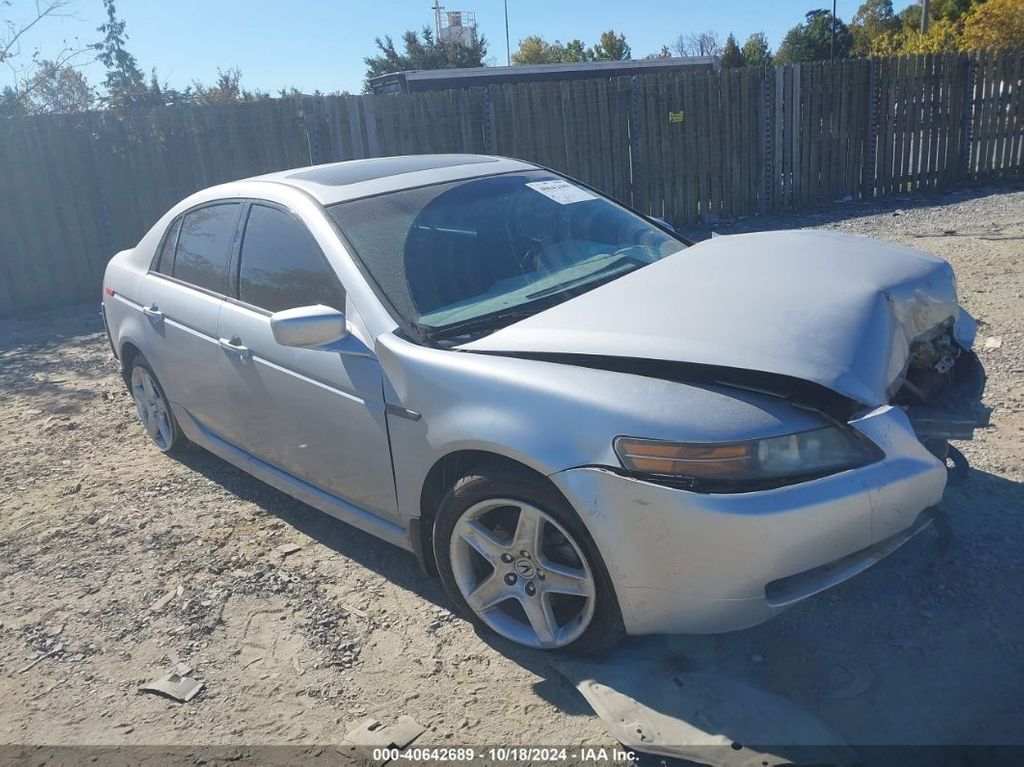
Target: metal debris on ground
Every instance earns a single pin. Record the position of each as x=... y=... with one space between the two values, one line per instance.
x=702 y=716
x=58 y=649
x=175 y=686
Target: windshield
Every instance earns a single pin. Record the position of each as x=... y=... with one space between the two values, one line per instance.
x=471 y=256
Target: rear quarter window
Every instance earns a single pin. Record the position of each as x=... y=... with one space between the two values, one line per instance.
x=204 y=246
x=165 y=258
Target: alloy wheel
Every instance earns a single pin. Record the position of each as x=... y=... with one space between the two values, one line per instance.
x=522 y=573
x=152 y=407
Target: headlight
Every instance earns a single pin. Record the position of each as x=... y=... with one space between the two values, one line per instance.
x=751 y=463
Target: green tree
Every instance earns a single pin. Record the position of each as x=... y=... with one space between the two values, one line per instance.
x=731 y=56
x=811 y=41
x=425 y=53
x=756 y=51
x=124 y=82
x=576 y=51
x=873 y=19
x=612 y=47
x=227 y=89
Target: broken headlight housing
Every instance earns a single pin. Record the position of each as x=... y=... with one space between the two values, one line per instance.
x=754 y=464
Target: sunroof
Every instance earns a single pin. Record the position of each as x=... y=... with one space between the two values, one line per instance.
x=353 y=173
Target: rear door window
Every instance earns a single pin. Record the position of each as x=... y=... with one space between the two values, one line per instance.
x=282 y=267
x=204 y=246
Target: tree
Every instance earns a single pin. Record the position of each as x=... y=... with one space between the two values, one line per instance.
x=57 y=89
x=226 y=90
x=993 y=24
x=732 y=56
x=873 y=19
x=812 y=40
x=612 y=47
x=756 y=52
x=124 y=82
x=425 y=53
x=664 y=53
x=576 y=51
x=534 y=49
x=12 y=33
x=697 y=44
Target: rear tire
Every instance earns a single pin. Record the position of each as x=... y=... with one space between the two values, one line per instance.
x=506 y=541
x=154 y=408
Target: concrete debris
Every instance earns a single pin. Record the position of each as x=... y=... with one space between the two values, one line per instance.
x=370 y=733
x=286 y=550
x=992 y=343
x=652 y=709
x=174 y=686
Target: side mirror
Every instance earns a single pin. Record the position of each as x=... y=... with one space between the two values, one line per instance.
x=307 y=326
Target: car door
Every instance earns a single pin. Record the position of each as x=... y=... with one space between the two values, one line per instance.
x=182 y=297
x=317 y=414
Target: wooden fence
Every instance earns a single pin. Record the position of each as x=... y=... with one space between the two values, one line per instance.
x=686 y=147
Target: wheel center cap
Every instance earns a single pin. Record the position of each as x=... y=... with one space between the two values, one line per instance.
x=525 y=569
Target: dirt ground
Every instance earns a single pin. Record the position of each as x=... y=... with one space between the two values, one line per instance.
x=115 y=559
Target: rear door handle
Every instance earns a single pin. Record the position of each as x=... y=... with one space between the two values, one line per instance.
x=234 y=345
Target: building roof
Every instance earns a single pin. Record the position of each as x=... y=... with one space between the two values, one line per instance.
x=477 y=76
x=341 y=181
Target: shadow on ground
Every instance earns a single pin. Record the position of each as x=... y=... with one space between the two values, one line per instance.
x=910 y=652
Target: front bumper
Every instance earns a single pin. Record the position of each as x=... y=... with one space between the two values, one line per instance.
x=685 y=562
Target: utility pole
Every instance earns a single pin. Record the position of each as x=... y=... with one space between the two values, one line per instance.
x=508 y=47
x=437 y=20
x=926 y=8
x=832 y=40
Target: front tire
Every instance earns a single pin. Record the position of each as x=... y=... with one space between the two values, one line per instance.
x=154 y=408
x=516 y=560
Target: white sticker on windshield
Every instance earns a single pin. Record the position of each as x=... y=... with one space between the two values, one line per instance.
x=561 y=192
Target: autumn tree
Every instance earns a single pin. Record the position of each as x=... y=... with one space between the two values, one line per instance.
x=993 y=24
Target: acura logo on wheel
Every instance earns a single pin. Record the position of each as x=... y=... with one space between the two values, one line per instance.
x=525 y=568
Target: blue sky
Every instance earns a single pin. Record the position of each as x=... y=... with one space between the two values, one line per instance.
x=320 y=44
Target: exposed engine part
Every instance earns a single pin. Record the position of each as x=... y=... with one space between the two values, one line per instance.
x=942 y=392
x=930 y=373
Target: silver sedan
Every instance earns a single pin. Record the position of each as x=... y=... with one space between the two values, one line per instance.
x=585 y=424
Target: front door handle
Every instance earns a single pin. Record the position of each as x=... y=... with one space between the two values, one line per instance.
x=234 y=345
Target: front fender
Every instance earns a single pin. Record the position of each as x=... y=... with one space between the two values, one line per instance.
x=546 y=415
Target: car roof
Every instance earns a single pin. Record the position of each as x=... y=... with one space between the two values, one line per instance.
x=341 y=181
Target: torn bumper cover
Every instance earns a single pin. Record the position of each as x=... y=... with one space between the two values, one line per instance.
x=705 y=563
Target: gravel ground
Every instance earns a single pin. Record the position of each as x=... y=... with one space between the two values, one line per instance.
x=116 y=561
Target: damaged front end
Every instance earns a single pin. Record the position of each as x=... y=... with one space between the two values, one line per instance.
x=941 y=391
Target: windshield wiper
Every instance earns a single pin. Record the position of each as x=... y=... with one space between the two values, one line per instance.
x=486 y=322
x=600 y=275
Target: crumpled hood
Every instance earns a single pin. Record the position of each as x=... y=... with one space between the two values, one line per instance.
x=835 y=309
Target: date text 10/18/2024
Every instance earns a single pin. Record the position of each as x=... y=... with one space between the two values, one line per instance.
x=530 y=754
